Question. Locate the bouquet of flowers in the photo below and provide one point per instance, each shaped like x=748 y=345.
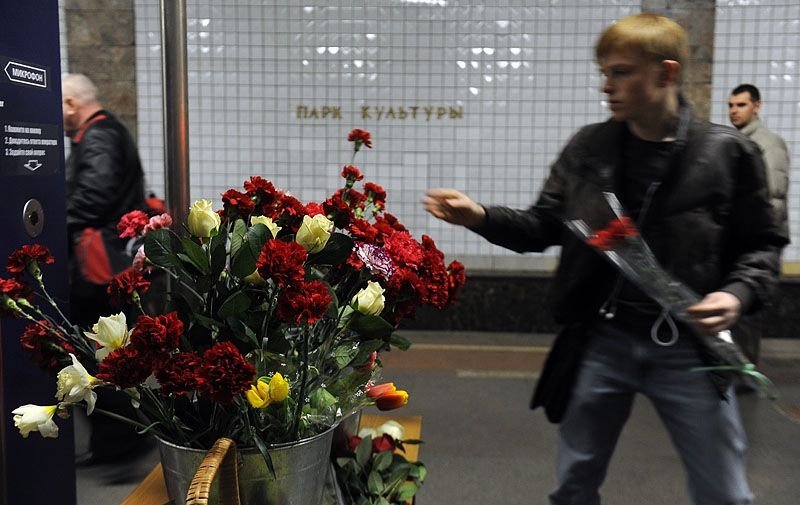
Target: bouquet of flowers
x=273 y=325
x=622 y=245
x=372 y=469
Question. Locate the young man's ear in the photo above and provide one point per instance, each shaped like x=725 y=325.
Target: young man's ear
x=670 y=73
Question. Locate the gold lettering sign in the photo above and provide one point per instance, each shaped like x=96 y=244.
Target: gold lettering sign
x=382 y=112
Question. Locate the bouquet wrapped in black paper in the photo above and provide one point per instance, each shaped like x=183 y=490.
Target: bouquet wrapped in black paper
x=623 y=246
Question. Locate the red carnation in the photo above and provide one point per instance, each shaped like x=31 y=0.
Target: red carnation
x=282 y=262
x=157 y=222
x=339 y=210
x=261 y=190
x=236 y=203
x=352 y=174
x=305 y=303
x=363 y=231
x=360 y=137
x=19 y=260
x=125 y=367
x=46 y=345
x=386 y=224
x=376 y=194
x=14 y=290
x=178 y=373
x=224 y=373
x=132 y=224
x=456 y=277
x=156 y=336
x=404 y=249
x=123 y=286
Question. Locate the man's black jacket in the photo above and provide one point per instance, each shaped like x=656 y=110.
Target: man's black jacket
x=709 y=225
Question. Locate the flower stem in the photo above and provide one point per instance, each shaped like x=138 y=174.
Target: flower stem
x=298 y=411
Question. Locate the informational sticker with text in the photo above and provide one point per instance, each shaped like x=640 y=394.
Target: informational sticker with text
x=29 y=148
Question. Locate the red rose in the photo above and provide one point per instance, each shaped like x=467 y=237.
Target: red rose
x=132 y=224
x=125 y=367
x=18 y=260
x=282 y=262
x=383 y=443
x=178 y=373
x=224 y=373
x=124 y=285
x=304 y=303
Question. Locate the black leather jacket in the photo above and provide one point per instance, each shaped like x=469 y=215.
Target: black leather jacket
x=709 y=222
x=104 y=177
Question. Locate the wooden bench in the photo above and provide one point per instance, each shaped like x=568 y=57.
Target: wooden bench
x=152 y=490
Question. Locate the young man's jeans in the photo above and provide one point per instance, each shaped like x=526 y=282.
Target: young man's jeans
x=705 y=429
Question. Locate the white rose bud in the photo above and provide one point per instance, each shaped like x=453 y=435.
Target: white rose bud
x=202 y=220
x=314 y=233
x=268 y=222
x=369 y=301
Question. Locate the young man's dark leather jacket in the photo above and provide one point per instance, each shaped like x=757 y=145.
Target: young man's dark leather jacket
x=709 y=224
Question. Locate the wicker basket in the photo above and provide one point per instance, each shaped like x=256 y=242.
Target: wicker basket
x=220 y=461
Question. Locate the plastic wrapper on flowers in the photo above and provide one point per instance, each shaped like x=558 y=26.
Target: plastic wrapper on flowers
x=623 y=246
x=274 y=325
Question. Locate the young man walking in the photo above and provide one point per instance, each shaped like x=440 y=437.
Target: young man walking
x=698 y=193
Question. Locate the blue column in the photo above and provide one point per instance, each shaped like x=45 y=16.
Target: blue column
x=34 y=471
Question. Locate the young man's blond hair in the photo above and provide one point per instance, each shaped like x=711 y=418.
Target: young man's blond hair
x=654 y=37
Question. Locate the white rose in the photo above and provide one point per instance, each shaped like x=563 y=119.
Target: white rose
x=314 y=233
x=30 y=418
x=391 y=428
x=268 y=222
x=202 y=220
x=111 y=333
x=370 y=300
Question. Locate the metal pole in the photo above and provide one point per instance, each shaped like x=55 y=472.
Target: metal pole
x=176 y=109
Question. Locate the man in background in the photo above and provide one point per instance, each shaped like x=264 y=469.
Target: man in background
x=743 y=106
x=104 y=180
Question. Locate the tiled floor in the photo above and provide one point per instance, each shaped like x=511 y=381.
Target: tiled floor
x=484 y=446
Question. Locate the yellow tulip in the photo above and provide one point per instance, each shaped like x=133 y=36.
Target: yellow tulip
x=278 y=388
x=258 y=395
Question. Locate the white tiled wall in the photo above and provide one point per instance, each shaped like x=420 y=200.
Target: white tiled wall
x=506 y=83
x=518 y=76
x=758 y=42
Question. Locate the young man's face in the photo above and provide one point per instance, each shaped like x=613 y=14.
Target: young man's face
x=742 y=110
x=633 y=85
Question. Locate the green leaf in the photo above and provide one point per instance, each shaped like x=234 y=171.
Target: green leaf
x=401 y=343
x=249 y=245
x=382 y=501
x=237 y=236
x=207 y=322
x=237 y=303
x=382 y=461
x=375 y=483
x=364 y=451
x=344 y=355
x=160 y=247
x=196 y=254
x=218 y=252
x=372 y=326
x=423 y=472
x=336 y=251
x=406 y=491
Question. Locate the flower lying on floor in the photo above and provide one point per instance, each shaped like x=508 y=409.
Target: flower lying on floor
x=372 y=469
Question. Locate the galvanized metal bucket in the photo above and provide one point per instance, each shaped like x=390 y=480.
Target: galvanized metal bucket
x=300 y=472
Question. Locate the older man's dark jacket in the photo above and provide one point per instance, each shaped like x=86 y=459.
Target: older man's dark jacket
x=104 y=174
x=709 y=224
